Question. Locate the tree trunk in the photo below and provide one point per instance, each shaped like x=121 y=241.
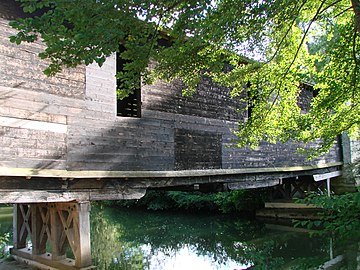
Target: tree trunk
x=356 y=8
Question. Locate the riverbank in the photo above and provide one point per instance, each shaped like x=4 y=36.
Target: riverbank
x=10 y=264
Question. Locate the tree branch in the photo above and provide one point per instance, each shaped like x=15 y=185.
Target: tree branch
x=342 y=12
x=355 y=75
x=286 y=33
x=304 y=36
x=330 y=5
x=318 y=11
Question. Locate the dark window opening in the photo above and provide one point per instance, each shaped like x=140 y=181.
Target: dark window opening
x=306 y=95
x=308 y=87
x=315 y=92
x=164 y=42
x=129 y=106
x=163 y=39
x=250 y=109
x=251 y=100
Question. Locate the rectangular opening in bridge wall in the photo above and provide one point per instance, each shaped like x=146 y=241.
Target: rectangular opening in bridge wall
x=307 y=94
x=197 y=150
x=129 y=106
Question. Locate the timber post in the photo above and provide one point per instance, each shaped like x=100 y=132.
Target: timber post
x=350 y=180
x=21 y=228
x=65 y=226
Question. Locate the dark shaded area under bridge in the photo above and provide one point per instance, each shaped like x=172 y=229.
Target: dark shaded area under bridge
x=19 y=185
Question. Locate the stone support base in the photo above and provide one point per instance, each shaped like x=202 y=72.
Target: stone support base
x=349 y=180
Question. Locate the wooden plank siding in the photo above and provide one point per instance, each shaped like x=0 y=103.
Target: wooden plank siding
x=83 y=102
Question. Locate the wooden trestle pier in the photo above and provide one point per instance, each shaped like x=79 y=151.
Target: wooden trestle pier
x=62 y=225
x=51 y=207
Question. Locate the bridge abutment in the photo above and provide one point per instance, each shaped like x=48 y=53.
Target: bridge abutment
x=350 y=178
x=61 y=227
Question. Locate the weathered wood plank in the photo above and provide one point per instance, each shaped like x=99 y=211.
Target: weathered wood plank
x=58 y=251
x=319 y=177
x=82 y=252
x=38 y=236
x=254 y=184
x=19 y=239
x=84 y=99
x=38 y=116
x=61 y=185
x=289 y=205
x=27 y=97
x=32 y=124
x=42 y=196
x=43 y=261
x=30 y=172
x=21 y=66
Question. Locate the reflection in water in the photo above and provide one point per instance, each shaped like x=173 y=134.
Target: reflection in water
x=178 y=241
x=134 y=240
x=108 y=251
x=151 y=241
x=186 y=257
x=5 y=230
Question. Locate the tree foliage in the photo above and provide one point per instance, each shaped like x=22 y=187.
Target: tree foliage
x=270 y=46
x=235 y=201
x=341 y=216
x=4 y=239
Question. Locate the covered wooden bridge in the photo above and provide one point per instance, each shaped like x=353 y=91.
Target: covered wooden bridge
x=66 y=140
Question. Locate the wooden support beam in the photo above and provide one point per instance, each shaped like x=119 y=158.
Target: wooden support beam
x=46 y=196
x=44 y=261
x=66 y=226
x=253 y=184
x=82 y=236
x=39 y=234
x=58 y=244
x=327 y=177
x=328 y=187
x=324 y=176
x=21 y=220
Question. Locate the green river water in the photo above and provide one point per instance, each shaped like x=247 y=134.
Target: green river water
x=133 y=239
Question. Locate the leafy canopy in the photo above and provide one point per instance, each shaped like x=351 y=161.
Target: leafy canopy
x=341 y=216
x=309 y=41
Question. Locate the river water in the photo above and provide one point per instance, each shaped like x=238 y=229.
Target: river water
x=133 y=239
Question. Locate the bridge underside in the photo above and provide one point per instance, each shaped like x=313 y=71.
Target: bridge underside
x=40 y=185
x=52 y=207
